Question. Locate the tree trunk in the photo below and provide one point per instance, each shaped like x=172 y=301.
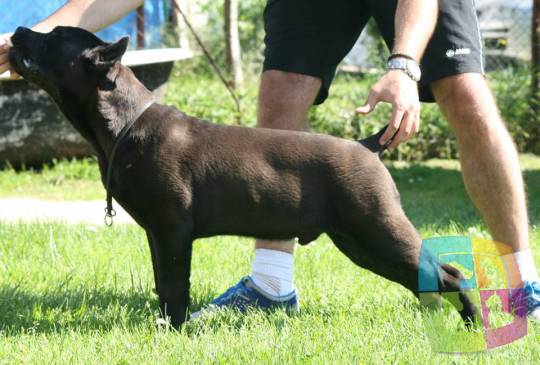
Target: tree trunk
x=141 y=25
x=535 y=69
x=232 y=44
x=178 y=22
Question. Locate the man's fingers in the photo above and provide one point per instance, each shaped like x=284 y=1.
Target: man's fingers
x=14 y=75
x=405 y=130
x=4 y=61
x=4 y=54
x=4 y=65
x=368 y=107
x=393 y=126
x=5 y=45
x=416 y=124
x=5 y=39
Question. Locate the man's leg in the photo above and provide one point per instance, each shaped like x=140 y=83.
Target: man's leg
x=284 y=102
x=489 y=162
x=488 y=157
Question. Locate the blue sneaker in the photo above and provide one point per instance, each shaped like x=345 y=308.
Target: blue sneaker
x=246 y=294
x=532 y=296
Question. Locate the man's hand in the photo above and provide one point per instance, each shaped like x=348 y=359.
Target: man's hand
x=398 y=89
x=5 y=45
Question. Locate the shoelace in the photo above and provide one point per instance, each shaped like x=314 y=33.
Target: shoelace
x=229 y=293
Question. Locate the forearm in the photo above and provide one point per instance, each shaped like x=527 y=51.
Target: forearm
x=414 y=24
x=92 y=15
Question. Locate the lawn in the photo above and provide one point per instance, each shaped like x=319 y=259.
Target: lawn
x=83 y=294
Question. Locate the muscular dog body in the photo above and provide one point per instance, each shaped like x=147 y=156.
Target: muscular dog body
x=182 y=178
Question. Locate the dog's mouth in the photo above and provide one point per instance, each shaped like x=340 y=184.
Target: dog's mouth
x=23 y=64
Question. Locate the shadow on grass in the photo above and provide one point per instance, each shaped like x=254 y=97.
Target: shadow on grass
x=435 y=197
x=80 y=309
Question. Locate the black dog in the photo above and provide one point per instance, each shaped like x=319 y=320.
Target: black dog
x=182 y=178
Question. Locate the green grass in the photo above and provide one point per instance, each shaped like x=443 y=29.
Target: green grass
x=82 y=294
x=63 y=180
x=77 y=294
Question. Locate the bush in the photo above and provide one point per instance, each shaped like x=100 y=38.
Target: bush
x=512 y=87
x=205 y=97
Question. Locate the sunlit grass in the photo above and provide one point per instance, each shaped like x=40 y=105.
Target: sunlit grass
x=83 y=294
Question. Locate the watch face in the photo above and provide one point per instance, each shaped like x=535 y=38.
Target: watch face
x=399 y=63
x=408 y=66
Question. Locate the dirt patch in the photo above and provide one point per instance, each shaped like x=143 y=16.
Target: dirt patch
x=28 y=210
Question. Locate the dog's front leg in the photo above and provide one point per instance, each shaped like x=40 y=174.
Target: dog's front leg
x=172 y=250
x=151 y=245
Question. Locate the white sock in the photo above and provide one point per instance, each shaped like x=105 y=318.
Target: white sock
x=272 y=271
x=526 y=265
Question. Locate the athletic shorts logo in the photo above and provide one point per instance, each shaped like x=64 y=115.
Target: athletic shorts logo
x=457 y=52
x=491 y=280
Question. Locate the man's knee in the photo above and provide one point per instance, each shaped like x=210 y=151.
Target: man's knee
x=467 y=103
x=285 y=99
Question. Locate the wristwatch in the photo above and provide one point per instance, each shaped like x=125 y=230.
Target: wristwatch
x=407 y=65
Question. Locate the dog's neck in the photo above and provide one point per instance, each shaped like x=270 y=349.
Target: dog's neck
x=119 y=101
x=100 y=114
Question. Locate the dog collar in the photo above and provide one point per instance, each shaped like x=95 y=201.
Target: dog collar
x=109 y=211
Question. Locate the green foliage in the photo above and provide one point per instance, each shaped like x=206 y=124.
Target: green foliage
x=378 y=53
x=512 y=88
x=202 y=95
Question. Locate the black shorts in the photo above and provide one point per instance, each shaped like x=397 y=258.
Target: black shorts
x=312 y=37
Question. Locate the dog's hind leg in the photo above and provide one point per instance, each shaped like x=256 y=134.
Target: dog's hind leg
x=394 y=242
x=384 y=242
x=172 y=249
x=390 y=247
x=395 y=269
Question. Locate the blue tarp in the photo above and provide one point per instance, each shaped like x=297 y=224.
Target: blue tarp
x=29 y=12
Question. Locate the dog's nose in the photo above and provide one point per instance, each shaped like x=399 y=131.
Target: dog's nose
x=18 y=37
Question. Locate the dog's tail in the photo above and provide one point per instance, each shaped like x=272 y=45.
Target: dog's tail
x=372 y=142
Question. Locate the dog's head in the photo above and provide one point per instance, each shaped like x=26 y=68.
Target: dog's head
x=65 y=60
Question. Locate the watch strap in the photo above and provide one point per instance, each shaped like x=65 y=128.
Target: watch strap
x=400 y=55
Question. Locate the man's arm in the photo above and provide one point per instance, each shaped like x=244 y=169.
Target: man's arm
x=91 y=15
x=414 y=24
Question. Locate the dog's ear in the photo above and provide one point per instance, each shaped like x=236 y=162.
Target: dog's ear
x=104 y=56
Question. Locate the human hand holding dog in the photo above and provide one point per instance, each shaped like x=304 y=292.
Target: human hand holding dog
x=5 y=45
x=414 y=24
x=398 y=89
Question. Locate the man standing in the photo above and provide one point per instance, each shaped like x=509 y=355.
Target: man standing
x=305 y=40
